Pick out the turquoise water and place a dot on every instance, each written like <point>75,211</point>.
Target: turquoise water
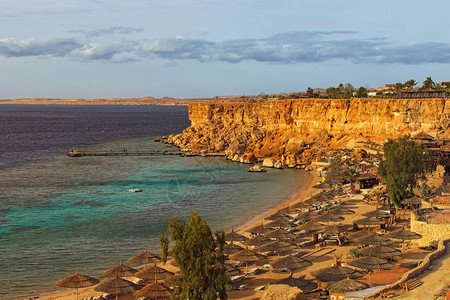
<point>77,212</point>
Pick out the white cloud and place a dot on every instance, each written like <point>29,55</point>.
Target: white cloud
<point>283,48</point>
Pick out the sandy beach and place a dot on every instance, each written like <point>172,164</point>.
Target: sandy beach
<point>322,257</point>
<point>303,193</point>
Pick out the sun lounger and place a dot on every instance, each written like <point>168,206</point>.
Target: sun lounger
<point>255,271</point>
<point>238,278</point>
<point>411,284</point>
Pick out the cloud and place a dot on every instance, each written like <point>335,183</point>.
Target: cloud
<point>51,47</point>
<point>283,48</point>
<point>108,31</point>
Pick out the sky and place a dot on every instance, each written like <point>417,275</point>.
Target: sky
<point>207,48</point>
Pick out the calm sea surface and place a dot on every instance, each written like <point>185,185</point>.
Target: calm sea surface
<point>59,213</point>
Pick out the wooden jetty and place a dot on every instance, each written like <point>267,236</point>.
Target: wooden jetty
<point>76,153</point>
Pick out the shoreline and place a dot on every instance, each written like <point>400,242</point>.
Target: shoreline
<point>304,192</point>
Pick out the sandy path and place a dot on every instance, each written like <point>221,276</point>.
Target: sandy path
<point>434,279</point>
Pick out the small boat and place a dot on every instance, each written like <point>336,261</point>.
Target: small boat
<point>135,190</point>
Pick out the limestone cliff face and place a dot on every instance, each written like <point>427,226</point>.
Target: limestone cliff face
<point>285,128</point>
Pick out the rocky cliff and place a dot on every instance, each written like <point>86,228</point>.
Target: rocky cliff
<point>288,129</point>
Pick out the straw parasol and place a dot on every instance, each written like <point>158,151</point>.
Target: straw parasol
<point>231,248</point>
<point>359,234</point>
<point>122,270</point>
<point>116,286</point>
<point>371,263</point>
<point>376,214</point>
<point>153,273</point>
<point>260,229</point>
<point>257,241</point>
<point>233,236</point>
<point>380,251</point>
<point>328,217</point>
<point>369,221</point>
<point>346,285</point>
<point>77,281</point>
<point>306,216</point>
<point>414,200</point>
<point>278,215</point>
<point>246,256</point>
<point>280,223</point>
<point>153,290</point>
<point>280,234</point>
<point>300,282</point>
<point>336,273</point>
<point>342,211</point>
<point>403,234</point>
<point>144,258</point>
<point>373,239</point>
<point>334,229</point>
<point>290,263</point>
<point>276,246</point>
<point>311,226</point>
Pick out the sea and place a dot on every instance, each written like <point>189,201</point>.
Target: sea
<point>60,213</point>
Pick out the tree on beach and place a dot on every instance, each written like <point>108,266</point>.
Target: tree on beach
<point>350,174</point>
<point>199,255</point>
<point>405,163</point>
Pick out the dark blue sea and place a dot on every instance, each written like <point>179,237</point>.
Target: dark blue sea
<point>58,213</point>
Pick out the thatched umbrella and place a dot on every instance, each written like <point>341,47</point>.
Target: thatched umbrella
<point>369,221</point>
<point>290,263</point>
<point>371,263</point>
<point>122,270</point>
<point>380,251</point>
<point>328,217</point>
<point>306,216</point>
<point>144,258</point>
<point>280,223</point>
<point>334,229</point>
<point>246,256</point>
<point>153,273</point>
<point>278,215</point>
<point>153,290</point>
<point>301,205</point>
<point>280,234</point>
<point>403,234</point>
<point>257,241</point>
<point>342,211</point>
<point>260,229</point>
<point>377,214</point>
<point>414,200</point>
<point>359,234</point>
<point>276,246</point>
<point>231,248</point>
<point>346,285</point>
<point>116,286</point>
<point>77,281</point>
<point>336,273</point>
<point>311,226</point>
<point>300,282</point>
<point>233,236</point>
<point>373,239</point>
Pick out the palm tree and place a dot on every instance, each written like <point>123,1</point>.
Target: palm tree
<point>410,83</point>
<point>428,83</point>
<point>350,174</point>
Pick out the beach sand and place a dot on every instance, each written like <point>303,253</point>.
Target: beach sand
<point>303,193</point>
<point>324,257</point>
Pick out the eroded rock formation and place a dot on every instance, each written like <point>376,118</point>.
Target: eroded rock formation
<point>293,131</point>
